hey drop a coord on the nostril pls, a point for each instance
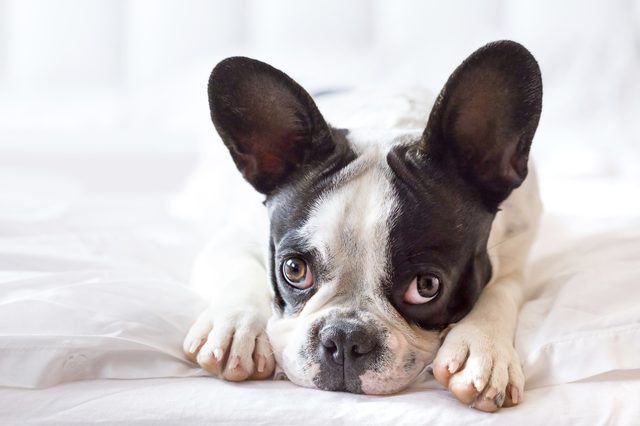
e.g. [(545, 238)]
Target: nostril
[(332, 345), (361, 349), (334, 350), (343, 342), (329, 345)]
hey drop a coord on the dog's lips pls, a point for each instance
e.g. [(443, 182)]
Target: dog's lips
[(404, 365)]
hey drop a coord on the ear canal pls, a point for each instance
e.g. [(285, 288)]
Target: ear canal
[(269, 123), (485, 117)]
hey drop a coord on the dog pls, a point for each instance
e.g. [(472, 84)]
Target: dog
[(388, 252)]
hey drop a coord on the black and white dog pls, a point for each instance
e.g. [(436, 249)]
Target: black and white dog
[(388, 251)]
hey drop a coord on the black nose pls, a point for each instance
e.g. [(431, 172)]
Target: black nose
[(348, 344)]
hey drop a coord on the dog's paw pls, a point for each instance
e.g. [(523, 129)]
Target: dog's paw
[(480, 369), (232, 345)]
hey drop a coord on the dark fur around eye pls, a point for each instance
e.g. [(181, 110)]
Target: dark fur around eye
[(442, 225)]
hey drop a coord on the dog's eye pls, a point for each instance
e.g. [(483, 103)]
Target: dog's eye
[(297, 273), (422, 289)]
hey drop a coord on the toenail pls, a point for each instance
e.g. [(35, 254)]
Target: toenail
[(514, 394), (236, 363), (491, 393), (218, 354), (194, 346)]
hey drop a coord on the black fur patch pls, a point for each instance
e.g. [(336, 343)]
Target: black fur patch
[(442, 227), (450, 183)]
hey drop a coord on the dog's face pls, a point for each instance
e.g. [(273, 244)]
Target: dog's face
[(378, 239)]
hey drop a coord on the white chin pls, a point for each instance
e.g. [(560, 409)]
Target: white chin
[(373, 383), (300, 374)]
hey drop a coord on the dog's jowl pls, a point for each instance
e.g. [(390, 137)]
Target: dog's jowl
[(388, 250)]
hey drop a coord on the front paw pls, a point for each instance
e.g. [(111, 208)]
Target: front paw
[(480, 369), (231, 344)]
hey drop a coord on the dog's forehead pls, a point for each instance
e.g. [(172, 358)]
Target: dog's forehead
[(344, 223), (348, 224)]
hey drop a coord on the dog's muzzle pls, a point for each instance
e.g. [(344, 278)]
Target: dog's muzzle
[(347, 348)]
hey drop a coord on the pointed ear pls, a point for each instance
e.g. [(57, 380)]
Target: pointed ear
[(484, 120), (269, 123)]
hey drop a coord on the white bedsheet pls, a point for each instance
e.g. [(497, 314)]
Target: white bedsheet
[(604, 400), (93, 287)]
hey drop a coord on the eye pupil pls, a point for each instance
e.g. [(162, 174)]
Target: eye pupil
[(295, 270), (294, 266), (428, 285)]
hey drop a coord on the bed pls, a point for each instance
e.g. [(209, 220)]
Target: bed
[(94, 304)]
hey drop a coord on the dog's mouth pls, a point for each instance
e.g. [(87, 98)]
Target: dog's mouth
[(352, 353), (388, 379), (328, 380), (372, 383), (351, 386)]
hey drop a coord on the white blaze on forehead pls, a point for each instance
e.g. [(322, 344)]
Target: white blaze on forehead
[(349, 226)]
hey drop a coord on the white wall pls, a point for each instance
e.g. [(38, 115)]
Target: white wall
[(79, 43)]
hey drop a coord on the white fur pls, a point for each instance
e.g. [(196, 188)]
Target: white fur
[(231, 271), (358, 210)]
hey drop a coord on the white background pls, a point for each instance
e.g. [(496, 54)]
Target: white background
[(89, 84)]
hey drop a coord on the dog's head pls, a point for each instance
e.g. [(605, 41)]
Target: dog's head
[(378, 240)]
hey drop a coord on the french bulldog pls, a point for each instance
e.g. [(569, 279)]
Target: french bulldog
[(388, 251)]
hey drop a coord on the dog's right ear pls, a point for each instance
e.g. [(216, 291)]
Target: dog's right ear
[(269, 123)]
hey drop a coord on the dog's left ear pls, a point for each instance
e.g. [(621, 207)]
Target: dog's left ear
[(485, 118)]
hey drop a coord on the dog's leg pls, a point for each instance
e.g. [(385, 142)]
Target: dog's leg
[(228, 339), (477, 360)]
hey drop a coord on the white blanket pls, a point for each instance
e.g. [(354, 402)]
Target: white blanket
[(93, 286)]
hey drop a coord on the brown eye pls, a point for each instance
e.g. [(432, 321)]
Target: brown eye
[(297, 273), (422, 289)]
